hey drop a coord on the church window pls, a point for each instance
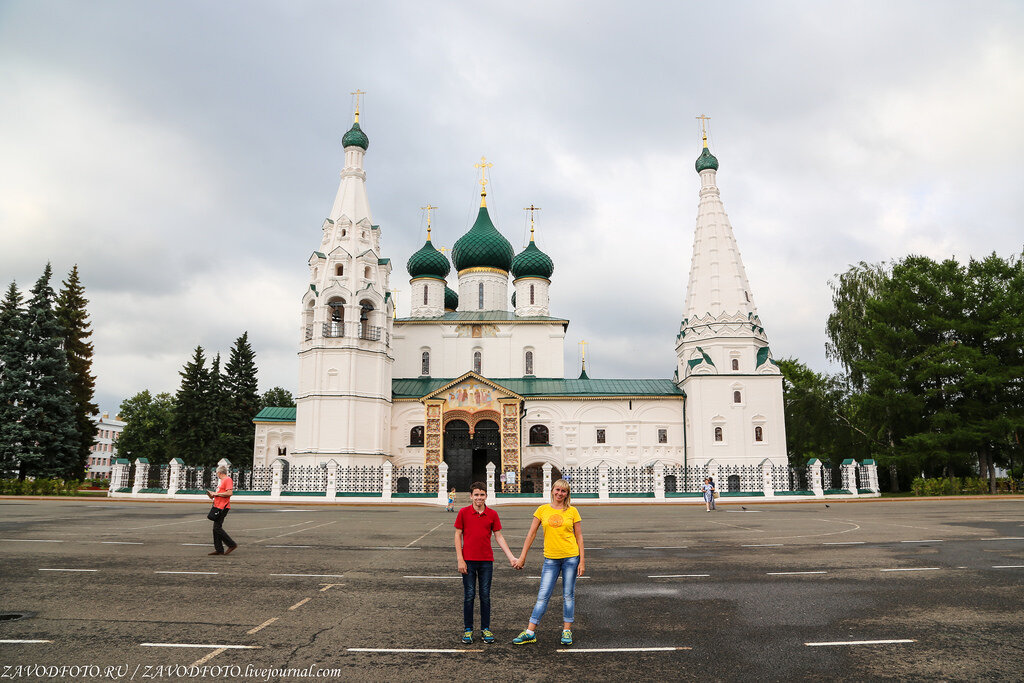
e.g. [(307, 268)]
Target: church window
[(758, 434), (364, 234), (282, 451), (538, 435), (662, 436), (416, 436), (425, 364), (529, 363), (366, 272), (600, 436), (531, 294), (747, 294), (737, 397), (424, 295), (718, 433), (480, 295), (477, 362), (735, 364), (344, 232), (339, 270), (316, 271)]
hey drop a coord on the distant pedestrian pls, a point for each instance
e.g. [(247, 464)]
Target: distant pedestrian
[(221, 504), (451, 501), (709, 494), (473, 528), (563, 554)]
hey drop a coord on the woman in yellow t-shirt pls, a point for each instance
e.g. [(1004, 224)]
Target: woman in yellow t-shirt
[(563, 554)]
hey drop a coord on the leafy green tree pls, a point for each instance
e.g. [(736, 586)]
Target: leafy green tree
[(13, 381), (242, 401), (52, 440), (74, 321), (147, 430), (277, 397)]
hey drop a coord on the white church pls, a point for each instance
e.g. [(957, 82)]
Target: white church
[(476, 376)]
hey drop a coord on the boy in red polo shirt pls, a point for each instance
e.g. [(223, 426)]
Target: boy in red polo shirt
[(473, 527)]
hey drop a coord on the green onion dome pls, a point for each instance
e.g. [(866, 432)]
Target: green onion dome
[(355, 136), (451, 299), (706, 160), (428, 262), (483, 246), (532, 262)]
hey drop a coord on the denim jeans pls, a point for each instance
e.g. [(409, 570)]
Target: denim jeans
[(220, 537), (481, 571), (548, 576)]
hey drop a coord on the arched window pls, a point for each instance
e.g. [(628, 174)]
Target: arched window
[(366, 272), (424, 295), (737, 397), (531, 294), (425, 364), (670, 483), (480, 295), (718, 433), (528, 362), (344, 232), (538, 435), (735, 364), (758, 434), (733, 483), (339, 270), (416, 436), (335, 327), (477, 362), (365, 331)]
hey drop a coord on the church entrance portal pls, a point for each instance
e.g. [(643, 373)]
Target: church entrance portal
[(466, 456)]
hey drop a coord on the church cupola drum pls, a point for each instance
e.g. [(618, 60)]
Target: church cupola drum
[(483, 258)]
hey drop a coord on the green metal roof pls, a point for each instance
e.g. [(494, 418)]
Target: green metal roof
[(706, 160), (533, 386), (275, 415), (532, 262), (355, 136), (451, 299), (483, 246), (428, 262), (483, 317)]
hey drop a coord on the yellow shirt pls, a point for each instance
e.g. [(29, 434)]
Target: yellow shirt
[(559, 537)]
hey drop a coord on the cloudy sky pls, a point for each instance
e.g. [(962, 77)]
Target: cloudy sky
[(184, 155)]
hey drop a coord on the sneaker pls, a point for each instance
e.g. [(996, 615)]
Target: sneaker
[(524, 638), (467, 636), (566, 637), (487, 636)]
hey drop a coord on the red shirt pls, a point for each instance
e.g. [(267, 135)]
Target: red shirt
[(476, 533), (221, 501)]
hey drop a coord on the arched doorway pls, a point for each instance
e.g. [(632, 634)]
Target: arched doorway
[(533, 478), (467, 456)]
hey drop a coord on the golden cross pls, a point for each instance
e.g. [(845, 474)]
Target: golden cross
[(704, 118), (394, 295), (428, 208), (357, 93), (483, 166), (583, 352), (531, 208), (443, 249)]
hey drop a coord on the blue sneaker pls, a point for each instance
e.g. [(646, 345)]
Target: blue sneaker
[(467, 636), (566, 637), (487, 636), (524, 638)]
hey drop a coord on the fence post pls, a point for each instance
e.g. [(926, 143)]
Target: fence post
[(174, 479), (602, 481), (118, 474), (659, 480), (546, 467), (141, 474), (490, 483), (224, 462), (275, 483), (766, 478), (332, 479), (442, 484), (872, 472), (713, 473), (814, 476), (850, 475), (385, 484)]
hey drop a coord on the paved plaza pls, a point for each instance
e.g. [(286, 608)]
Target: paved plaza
[(773, 592)]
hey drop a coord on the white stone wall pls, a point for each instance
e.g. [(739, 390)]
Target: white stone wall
[(541, 303), (434, 305), (496, 296)]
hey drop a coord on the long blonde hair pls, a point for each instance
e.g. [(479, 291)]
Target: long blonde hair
[(565, 485)]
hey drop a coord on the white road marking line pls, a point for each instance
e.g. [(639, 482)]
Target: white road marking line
[(308, 528), (432, 577), (931, 540), (843, 543), (387, 547), (69, 570), (675, 576), (299, 604), (760, 545), (315, 576), (578, 578), (166, 572), (427, 534), (623, 649), (287, 546), (666, 547), (1005, 538), (912, 569), (204, 660), (588, 548), (862, 642), (16, 642), (1008, 566), (203, 544), (29, 540), (200, 645), (122, 542), (265, 624), (789, 573), (412, 650)]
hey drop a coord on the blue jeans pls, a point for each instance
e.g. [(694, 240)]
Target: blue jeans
[(548, 576), (477, 571)]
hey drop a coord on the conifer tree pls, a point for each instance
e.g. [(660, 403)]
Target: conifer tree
[(215, 399), (13, 381), (190, 426), (51, 447), (74, 319), (242, 401)]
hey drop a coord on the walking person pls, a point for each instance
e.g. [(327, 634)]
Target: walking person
[(451, 501), (709, 494), (221, 504), (563, 554), (473, 528)]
